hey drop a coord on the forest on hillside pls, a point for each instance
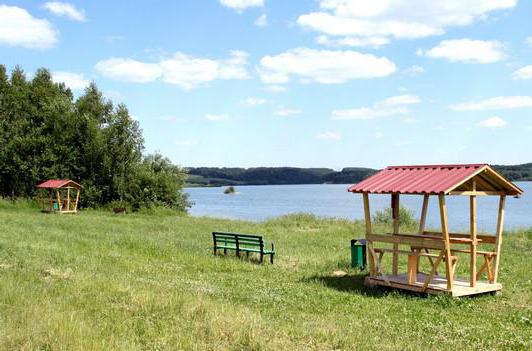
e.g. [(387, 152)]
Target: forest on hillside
[(46, 133), (214, 176)]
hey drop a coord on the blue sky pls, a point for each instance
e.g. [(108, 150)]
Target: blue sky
[(330, 83)]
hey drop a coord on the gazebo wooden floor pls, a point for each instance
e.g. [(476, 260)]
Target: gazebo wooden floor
[(438, 285)]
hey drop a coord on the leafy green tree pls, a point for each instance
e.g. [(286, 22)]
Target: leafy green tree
[(45, 134)]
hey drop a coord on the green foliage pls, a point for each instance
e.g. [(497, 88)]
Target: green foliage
[(215, 176), (406, 217), (46, 134)]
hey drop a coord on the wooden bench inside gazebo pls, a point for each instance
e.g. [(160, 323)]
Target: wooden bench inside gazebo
[(62, 196), (439, 248)]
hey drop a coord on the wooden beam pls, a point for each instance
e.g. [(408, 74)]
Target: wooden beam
[(424, 209), (422, 222), (367, 217), (396, 224), (445, 231), (412, 240), (498, 236), (473, 232), (477, 193), (77, 199), (68, 199)]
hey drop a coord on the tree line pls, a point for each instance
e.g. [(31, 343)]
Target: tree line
[(214, 176), (46, 133)]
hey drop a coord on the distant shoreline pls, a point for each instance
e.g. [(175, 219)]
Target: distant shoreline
[(226, 176)]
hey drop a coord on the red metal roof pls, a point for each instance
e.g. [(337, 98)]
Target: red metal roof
[(57, 183), (428, 179)]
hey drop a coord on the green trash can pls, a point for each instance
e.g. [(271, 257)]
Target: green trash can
[(358, 254)]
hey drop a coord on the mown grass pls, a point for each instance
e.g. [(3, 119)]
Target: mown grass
[(97, 281)]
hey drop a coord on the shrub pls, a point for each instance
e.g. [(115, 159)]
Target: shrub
[(406, 217)]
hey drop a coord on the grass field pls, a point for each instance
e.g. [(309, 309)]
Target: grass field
[(96, 281)]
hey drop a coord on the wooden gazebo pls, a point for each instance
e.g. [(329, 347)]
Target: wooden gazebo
[(470, 180), (63, 196)]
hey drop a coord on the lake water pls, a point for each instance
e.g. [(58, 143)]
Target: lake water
[(258, 203)]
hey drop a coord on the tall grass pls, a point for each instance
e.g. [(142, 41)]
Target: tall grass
[(98, 281)]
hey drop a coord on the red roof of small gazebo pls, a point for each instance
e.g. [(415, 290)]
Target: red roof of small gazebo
[(435, 179), (58, 183)]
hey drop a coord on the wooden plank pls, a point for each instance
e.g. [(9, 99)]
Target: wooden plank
[(445, 231), (473, 232), (396, 224), (367, 218), (438, 285), (417, 240), (485, 239), (498, 235)]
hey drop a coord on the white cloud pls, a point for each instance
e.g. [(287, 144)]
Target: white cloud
[(493, 122), (529, 41), (129, 70), (65, 9), (523, 73), (409, 120), (352, 41), (323, 66), (185, 142), (217, 117), (19, 28), (262, 20), (467, 50), (397, 18), (495, 103), (240, 5), (395, 105), (74, 81), (379, 135), (179, 69), (414, 70), (329, 136), (286, 112), (253, 101)]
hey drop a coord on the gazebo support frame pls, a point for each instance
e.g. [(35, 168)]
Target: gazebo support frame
[(424, 242)]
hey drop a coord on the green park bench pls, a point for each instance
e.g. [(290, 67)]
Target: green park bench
[(241, 243)]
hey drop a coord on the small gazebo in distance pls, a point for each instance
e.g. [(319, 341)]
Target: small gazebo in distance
[(63, 196), (470, 180)]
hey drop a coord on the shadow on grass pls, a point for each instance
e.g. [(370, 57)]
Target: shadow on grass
[(252, 258), (355, 284)]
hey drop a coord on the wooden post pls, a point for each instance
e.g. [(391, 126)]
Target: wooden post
[(424, 210), (422, 222), (473, 231), (445, 232), (498, 239), (68, 199), (59, 204), (76, 203), (395, 217), (367, 217)]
